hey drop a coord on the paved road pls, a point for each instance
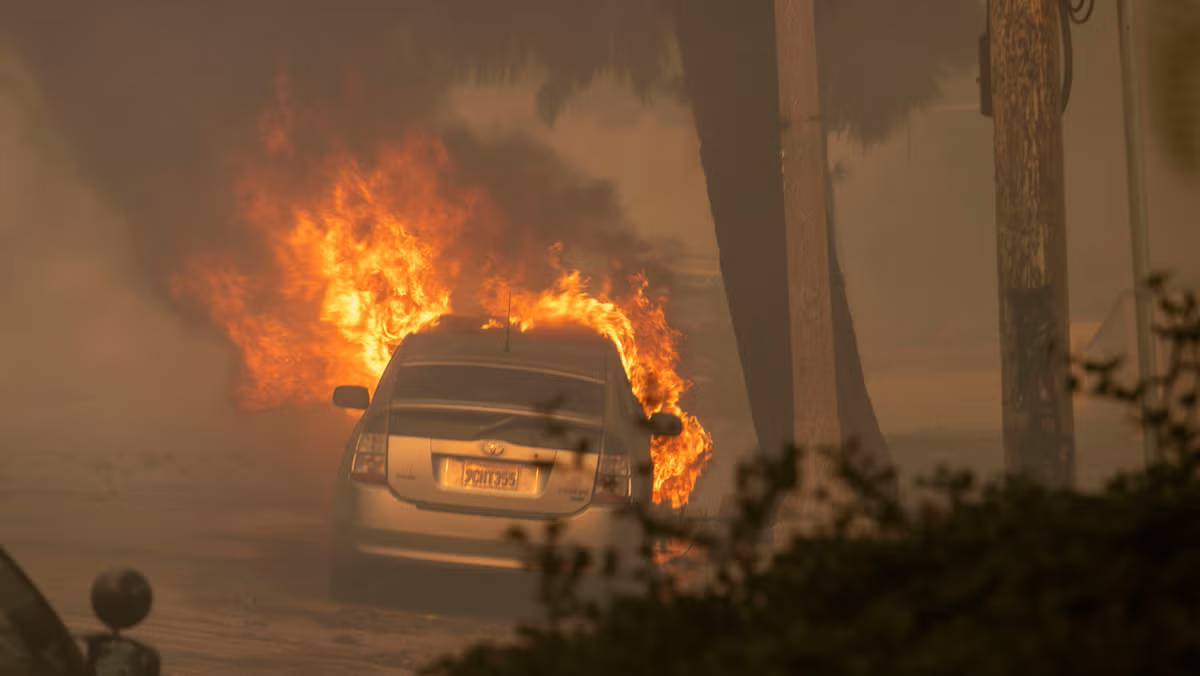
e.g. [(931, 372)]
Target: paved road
[(232, 530), (238, 566)]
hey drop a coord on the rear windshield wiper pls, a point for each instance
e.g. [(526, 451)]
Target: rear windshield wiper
[(499, 424)]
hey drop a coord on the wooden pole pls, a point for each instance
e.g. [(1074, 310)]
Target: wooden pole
[(1031, 240), (803, 154)]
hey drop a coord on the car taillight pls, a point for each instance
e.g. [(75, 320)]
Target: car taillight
[(370, 459), (614, 479)]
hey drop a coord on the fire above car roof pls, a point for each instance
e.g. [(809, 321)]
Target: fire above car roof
[(567, 347)]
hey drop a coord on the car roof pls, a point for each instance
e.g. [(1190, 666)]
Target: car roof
[(568, 348)]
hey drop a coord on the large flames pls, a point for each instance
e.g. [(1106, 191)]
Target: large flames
[(354, 269), (367, 255), (648, 348)]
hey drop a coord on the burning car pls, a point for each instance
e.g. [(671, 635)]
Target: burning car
[(473, 430)]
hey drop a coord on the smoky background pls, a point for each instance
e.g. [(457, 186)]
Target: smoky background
[(122, 125)]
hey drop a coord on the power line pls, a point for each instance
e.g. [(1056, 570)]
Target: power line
[(1080, 12), (1072, 12), (1076, 12)]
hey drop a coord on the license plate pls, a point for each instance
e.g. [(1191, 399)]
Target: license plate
[(491, 477)]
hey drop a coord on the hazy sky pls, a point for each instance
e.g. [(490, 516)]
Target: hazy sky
[(916, 219), (915, 235)]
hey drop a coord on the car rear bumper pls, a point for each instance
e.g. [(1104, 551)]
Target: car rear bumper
[(372, 523)]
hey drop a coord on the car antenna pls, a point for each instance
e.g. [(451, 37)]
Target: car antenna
[(508, 323)]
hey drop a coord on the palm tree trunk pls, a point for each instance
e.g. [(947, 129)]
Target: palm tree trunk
[(731, 74)]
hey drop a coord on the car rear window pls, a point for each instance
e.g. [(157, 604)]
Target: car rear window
[(483, 384), (523, 430)]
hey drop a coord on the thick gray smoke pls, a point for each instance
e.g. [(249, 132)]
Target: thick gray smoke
[(123, 127), (159, 102)]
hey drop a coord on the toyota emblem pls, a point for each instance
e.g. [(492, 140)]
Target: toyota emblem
[(492, 448)]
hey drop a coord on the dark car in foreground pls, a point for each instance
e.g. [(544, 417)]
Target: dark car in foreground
[(35, 642)]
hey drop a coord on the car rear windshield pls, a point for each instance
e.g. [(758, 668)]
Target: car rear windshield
[(523, 430), (482, 384)]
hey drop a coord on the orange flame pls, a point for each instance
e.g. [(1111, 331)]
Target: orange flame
[(354, 270), (649, 351), (372, 255)]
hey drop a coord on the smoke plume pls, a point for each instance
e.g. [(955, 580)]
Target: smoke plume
[(161, 105)]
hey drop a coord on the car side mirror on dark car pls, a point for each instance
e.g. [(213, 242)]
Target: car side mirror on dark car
[(665, 425), (355, 397), (121, 599)]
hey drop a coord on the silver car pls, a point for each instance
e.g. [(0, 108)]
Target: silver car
[(472, 431)]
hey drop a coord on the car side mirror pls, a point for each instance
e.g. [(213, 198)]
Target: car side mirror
[(665, 425), (354, 397), (121, 599)]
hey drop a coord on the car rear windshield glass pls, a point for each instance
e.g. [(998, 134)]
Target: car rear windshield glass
[(477, 384), (523, 430)]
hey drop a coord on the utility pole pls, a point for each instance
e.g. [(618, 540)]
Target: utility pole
[(1031, 239), (810, 294), (1135, 168)]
